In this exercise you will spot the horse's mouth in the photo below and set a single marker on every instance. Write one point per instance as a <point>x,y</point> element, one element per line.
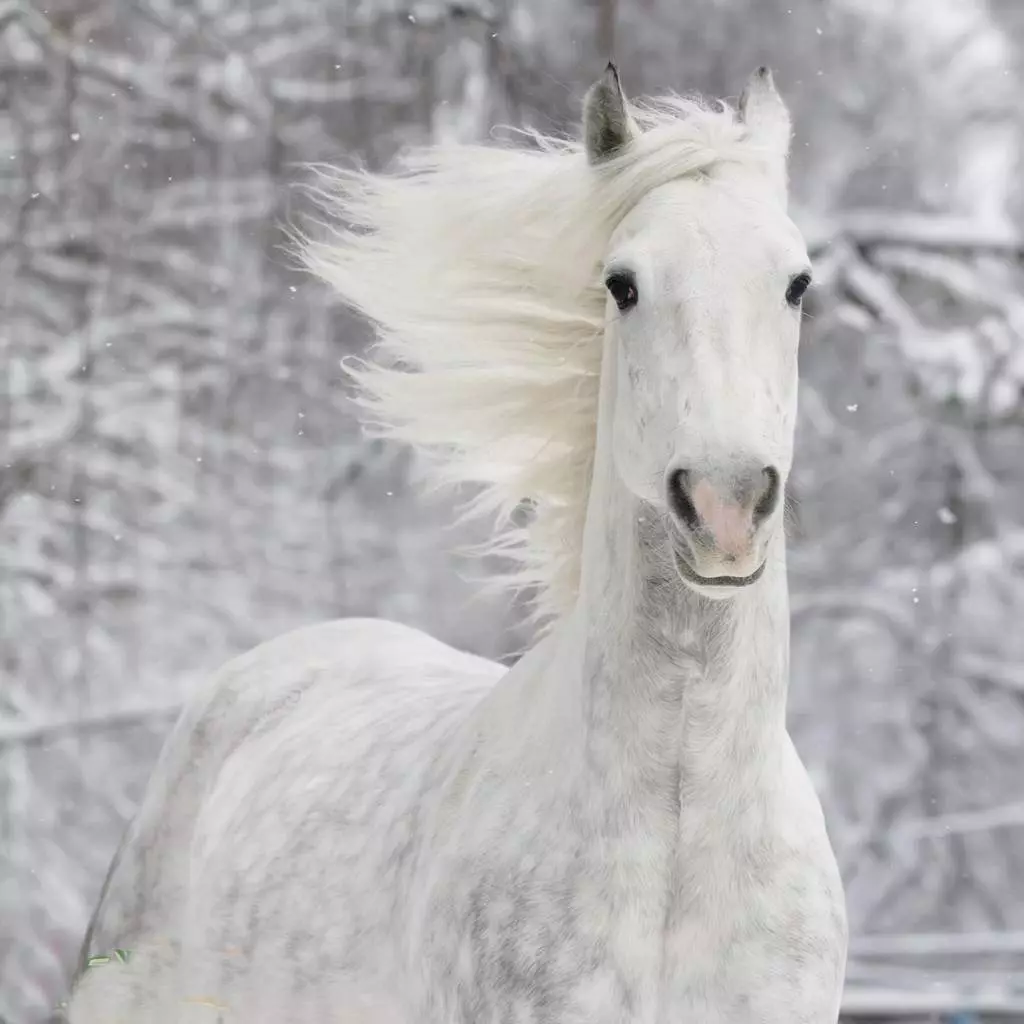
<point>690,575</point>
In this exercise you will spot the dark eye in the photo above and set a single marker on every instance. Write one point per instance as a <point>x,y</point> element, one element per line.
<point>797,287</point>
<point>622,286</point>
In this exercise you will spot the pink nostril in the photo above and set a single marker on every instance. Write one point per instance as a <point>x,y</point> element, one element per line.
<point>728,523</point>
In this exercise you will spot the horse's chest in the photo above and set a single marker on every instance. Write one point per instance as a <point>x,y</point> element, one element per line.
<point>632,929</point>
<point>559,935</point>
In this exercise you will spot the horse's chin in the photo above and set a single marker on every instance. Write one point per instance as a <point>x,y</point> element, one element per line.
<point>715,587</point>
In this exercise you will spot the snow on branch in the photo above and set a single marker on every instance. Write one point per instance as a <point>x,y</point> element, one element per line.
<point>854,604</point>
<point>867,228</point>
<point>955,275</point>
<point>996,673</point>
<point>876,292</point>
<point>434,12</point>
<point>1010,815</point>
<point>310,92</point>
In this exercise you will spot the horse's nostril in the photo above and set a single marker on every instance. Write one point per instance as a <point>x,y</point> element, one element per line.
<point>731,501</point>
<point>679,499</point>
<point>768,500</point>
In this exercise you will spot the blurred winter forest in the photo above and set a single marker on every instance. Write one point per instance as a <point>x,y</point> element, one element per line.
<point>181,475</point>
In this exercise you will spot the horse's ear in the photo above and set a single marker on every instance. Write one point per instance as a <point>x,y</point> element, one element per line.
<point>607,126</point>
<point>767,119</point>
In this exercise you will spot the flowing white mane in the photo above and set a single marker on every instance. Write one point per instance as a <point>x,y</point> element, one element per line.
<point>480,268</point>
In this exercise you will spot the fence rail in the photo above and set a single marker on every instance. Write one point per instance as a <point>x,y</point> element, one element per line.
<point>935,1002</point>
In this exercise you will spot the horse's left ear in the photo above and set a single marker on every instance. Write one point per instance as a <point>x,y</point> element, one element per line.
<point>607,125</point>
<point>767,119</point>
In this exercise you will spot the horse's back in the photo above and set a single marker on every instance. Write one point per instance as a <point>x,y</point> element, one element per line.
<point>282,816</point>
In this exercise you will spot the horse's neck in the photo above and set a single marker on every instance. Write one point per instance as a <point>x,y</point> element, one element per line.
<point>671,689</point>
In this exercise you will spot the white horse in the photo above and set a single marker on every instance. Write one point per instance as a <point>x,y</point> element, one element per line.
<point>358,823</point>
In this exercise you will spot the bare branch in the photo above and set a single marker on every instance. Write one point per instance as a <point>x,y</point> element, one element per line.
<point>101,721</point>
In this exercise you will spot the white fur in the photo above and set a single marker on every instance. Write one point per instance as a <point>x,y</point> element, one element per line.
<point>355,821</point>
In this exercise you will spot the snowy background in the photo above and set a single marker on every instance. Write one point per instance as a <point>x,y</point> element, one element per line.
<point>181,475</point>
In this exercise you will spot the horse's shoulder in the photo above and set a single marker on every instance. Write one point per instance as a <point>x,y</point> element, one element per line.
<point>305,677</point>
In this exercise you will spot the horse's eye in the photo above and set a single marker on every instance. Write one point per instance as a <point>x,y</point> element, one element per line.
<point>796,289</point>
<point>622,286</point>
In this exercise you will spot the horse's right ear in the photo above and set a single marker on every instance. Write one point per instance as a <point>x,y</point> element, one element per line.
<point>764,113</point>
<point>607,126</point>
